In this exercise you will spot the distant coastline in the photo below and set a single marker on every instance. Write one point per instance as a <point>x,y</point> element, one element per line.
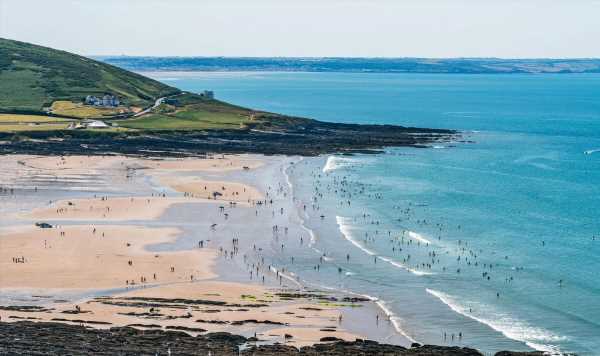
<point>357,65</point>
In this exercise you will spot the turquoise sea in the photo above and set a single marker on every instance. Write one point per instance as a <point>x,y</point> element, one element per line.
<point>494,242</point>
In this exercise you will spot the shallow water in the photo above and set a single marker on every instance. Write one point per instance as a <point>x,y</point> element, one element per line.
<point>520,204</point>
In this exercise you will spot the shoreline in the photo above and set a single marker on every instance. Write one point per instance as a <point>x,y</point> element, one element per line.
<point>121,211</point>
<point>377,302</point>
<point>280,309</point>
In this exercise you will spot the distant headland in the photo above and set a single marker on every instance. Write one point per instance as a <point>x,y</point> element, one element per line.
<point>358,65</point>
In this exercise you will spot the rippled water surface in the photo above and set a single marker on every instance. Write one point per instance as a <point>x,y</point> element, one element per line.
<point>494,243</point>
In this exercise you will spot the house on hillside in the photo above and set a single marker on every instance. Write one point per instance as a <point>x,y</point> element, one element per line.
<point>106,101</point>
<point>209,94</point>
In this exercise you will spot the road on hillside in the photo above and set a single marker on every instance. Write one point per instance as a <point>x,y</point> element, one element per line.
<point>156,104</point>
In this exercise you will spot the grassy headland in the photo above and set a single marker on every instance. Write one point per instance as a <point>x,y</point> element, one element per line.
<point>44,91</point>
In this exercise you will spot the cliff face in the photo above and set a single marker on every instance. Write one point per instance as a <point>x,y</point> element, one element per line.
<point>30,338</point>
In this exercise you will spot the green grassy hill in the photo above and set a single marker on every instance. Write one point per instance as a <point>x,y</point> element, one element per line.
<point>33,77</point>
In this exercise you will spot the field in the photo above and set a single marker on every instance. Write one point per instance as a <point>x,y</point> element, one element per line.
<point>33,127</point>
<point>13,118</point>
<point>68,108</point>
<point>187,120</point>
<point>23,123</point>
<point>192,112</point>
<point>19,123</point>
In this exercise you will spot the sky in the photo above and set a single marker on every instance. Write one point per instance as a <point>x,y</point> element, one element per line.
<point>309,28</point>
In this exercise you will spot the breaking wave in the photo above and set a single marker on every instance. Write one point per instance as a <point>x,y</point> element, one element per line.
<point>589,152</point>
<point>334,162</point>
<point>345,230</point>
<point>534,337</point>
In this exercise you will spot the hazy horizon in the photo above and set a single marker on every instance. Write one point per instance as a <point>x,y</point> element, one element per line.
<point>528,29</point>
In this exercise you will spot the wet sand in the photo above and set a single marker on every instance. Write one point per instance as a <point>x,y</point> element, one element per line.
<point>120,249</point>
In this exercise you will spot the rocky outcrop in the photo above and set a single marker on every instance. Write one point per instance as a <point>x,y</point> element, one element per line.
<point>29,338</point>
<point>312,139</point>
<point>42,338</point>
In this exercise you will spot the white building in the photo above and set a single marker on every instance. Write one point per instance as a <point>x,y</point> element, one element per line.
<point>97,124</point>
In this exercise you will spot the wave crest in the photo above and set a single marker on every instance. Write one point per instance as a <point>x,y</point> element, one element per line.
<point>345,230</point>
<point>334,162</point>
<point>534,337</point>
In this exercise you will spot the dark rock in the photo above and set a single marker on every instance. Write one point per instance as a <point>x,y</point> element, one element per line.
<point>212,321</point>
<point>24,308</point>
<point>82,321</point>
<point>75,311</point>
<point>30,338</point>
<point>309,138</point>
<point>184,328</point>
<point>254,321</point>
<point>145,326</point>
<point>41,338</point>
<point>330,339</point>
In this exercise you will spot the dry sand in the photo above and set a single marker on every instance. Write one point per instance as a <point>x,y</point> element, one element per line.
<point>77,257</point>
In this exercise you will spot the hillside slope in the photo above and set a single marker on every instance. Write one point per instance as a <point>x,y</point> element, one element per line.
<point>32,77</point>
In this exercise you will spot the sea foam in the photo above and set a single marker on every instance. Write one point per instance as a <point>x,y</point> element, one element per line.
<point>394,319</point>
<point>534,337</point>
<point>334,162</point>
<point>346,232</point>
<point>415,236</point>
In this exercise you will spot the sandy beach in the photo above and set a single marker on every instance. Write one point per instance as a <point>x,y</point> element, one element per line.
<point>96,257</point>
<point>156,245</point>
